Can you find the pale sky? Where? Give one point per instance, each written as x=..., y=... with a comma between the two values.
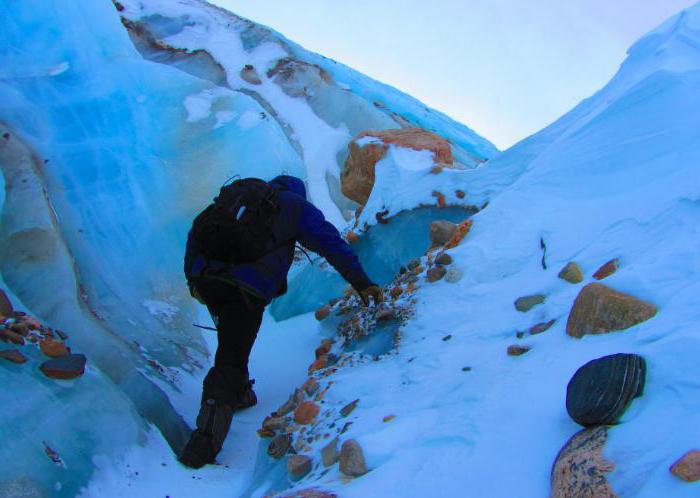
x=505, y=68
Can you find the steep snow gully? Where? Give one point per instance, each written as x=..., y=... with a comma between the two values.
x=540, y=335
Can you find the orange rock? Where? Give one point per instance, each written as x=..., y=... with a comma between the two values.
x=440, y=199
x=10, y=336
x=324, y=348
x=607, y=269
x=319, y=364
x=310, y=387
x=517, y=350
x=411, y=288
x=32, y=322
x=687, y=467
x=352, y=237
x=388, y=418
x=322, y=313
x=306, y=412
x=13, y=355
x=396, y=291
x=54, y=349
x=462, y=231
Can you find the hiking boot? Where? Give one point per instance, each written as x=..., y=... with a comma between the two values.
x=246, y=397
x=213, y=423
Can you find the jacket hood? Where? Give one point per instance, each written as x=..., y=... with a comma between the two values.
x=291, y=183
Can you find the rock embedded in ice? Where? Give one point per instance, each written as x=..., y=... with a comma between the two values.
x=579, y=469
x=599, y=309
x=517, y=350
x=352, y=459
x=13, y=355
x=687, y=467
x=53, y=349
x=413, y=264
x=66, y=367
x=298, y=466
x=460, y=194
x=250, y=75
x=275, y=424
x=541, y=327
x=454, y=275
x=322, y=313
x=279, y=446
x=462, y=230
x=607, y=269
x=5, y=304
x=351, y=237
x=443, y=259
x=290, y=405
x=19, y=328
x=324, y=348
x=8, y=335
x=349, y=408
x=306, y=412
x=602, y=389
x=526, y=303
x=436, y=273
x=329, y=453
x=571, y=273
x=310, y=387
x=395, y=292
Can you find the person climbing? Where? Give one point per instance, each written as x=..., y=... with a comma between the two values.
x=238, y=254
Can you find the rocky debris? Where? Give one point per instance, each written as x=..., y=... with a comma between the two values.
x=290, y=405
x=541, y=327
x=385, y=314
x=318, y=364
x=352, y=459
x=579, y=469
x=279, y=446
x=454, y=275
x=599, y=309
x=607, y=269
x=417, y=270
x=435, y=273
x=310, y=387
x=13, y=355
x=358, y=175
x=275, y=424
x=526, y=303
x=298, y=466
x=687, y=467
x=441, y=231
x=306, y=412
x=571, y=273
x=8, y=335
x=21, y=328
x=322, y=313
x=462, y=230
x=351, y=237
x=413, y=264
x=250, y=75
x=53, y=349
x=443, y=259
x=517, y=350
x=324, y=348
x=329, y=453
x=602, y=389
x=5, y=304
x=447, y=338
x=66, y=367
x=349, y=408
x=395, y=292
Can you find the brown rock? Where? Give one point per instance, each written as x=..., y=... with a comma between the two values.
x=358, y=174
x=687, y=467
x=324, y=348
x=53, y=349
x=310, y=387
x=580, y=468
x=388, y=418
x=65, y=368
x=250, y=75
x=443, y=259
x=396, y=291
x=436, y=273
x=279, y=446
x=298, y=466
x=351, y=237
x=5, y=304
x=319, y=364
x=437, y=169
x=417, y=270
x=306, y=412
x=13, y=355
x=19, y=328
x=541, y=327
x=274, y=424
x=607, y=269
x=526, y=303
x=349, y=408
x=599, y=309
x=460, y=194
x=517, y=350
x=461, y=232
x=352, y=459
x=329, y=453
x=571, y=273
x=8, y=335
x=322, y=313
x=294, y=400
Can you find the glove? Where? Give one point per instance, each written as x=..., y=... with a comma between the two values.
x=374, y=292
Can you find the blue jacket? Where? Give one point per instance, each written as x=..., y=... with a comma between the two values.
x=297, y=220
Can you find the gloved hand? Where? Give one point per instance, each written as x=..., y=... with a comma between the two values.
x=374, y=292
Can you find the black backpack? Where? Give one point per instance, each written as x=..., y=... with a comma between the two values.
x=237, y=226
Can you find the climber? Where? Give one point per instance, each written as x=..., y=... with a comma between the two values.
x=238, y=254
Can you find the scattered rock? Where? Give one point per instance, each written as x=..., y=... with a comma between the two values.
x=607, y=269
x=447, y=337
x=396, y=291
x=599, y=309
x=319, y=364
x=417, y=270
x=294, y=400
x=413, y=264
x=460, y=194
x=250, y=75
x=579, y=469
x=571, y=273
x=5, y=304
x=19, y=328
x=279, y=446
x=526, y=303
x=351, y=237
x=298, y=466
x=8, y=335
x=441, y=231
x=66, y=367
x=687, y=467
x=322, y=313
x=541, y=327
x=443, y=259
x=602, y=389
x=466, y=369
x=306, y=412
x=454, y=275
x=53, y=349
x=436, y=273
x=13, y=355
x=385, y=314
x=462, y=230
x=274, y=424
x=517, y=350
x=352, y=459
x=329, y=453
x=388, y=418
x=324, y=348
x=437, y=169
x=310, y=387
x=349, y=408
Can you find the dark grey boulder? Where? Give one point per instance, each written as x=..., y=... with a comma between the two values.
x=602, y=389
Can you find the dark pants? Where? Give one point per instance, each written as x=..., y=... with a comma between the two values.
x=237, y=317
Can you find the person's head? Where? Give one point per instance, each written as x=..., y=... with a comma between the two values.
x=291, y=183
